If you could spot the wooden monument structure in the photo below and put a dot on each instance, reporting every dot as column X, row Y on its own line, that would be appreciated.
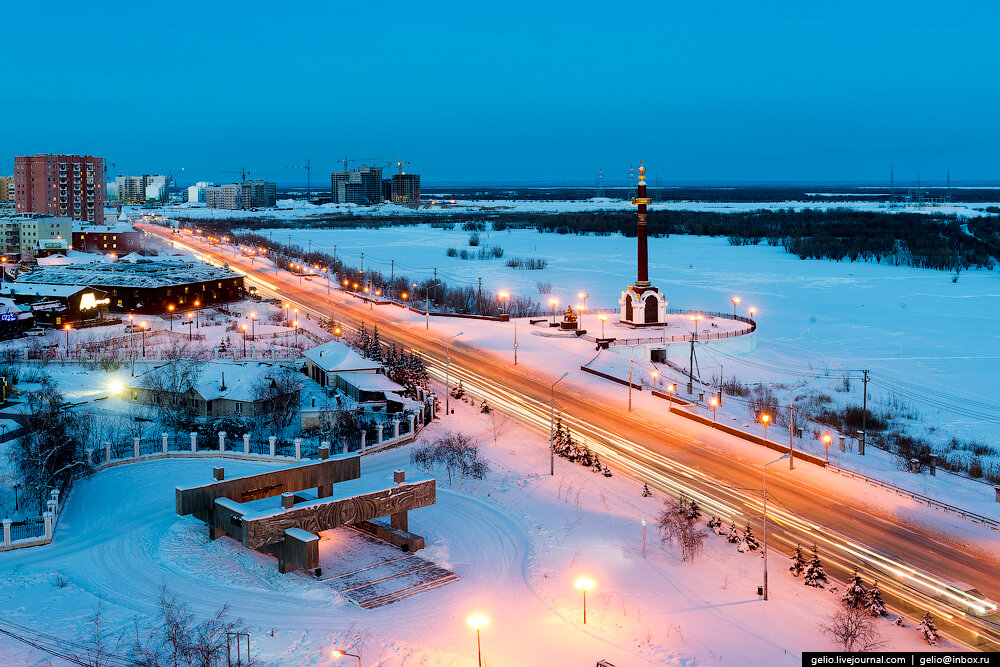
column 281, row 512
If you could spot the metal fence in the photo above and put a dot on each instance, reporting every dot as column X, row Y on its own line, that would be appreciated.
column 27, row 529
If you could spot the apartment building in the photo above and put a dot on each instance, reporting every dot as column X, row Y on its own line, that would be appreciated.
column 60, row 186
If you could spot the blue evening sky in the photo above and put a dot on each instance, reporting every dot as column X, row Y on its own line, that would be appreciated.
column 510, row 92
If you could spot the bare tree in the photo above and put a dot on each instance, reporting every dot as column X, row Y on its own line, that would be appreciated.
column 170, row 389
column 498, row 423
column 99, row 645
column 853, row 629
column 277, row 396
column 678, row 523
column 51, row 451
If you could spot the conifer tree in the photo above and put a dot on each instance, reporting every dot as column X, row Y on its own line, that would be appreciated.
column 855, row 593
column 734, row 536
column 873, row 601
column 928, row 629
column 749, row 540
column 374, row 348
column 798, row 565
column 815, row 575
column 693, row 512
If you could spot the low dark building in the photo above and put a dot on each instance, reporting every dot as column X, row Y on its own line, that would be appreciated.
column 119, row 239
column 144, row 286
column 56, row 305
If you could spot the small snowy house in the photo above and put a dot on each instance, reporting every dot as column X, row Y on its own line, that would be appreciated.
column 326, row 362
column 221, row 388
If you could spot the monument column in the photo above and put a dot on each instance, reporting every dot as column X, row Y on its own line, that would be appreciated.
column 642, row 280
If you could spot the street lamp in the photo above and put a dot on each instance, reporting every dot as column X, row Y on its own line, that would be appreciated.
column 170, row 311
column 190, row 323
column 753, row 311
column 478, row 622
column 287, row 306
column 583, row 295
column 142, row 328
column 447, row 369
column 253, row 326
column 427, row 304
column 715, row 404
column 553, row 302
column 603, row 319
column 585, row 584
column 340, row 653
column 826, row 444
column 552, row 425
column 295, row 325
column 765, row 419
column 503, row 297
column 735, row 301
column 764, row 470
column 131, row 340
column 670, row 392
column 244, row 327
column 67, row 327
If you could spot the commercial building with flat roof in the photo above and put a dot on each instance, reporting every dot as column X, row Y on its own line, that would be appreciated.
column 146, row 286
column 60, row 185
column 136, row 190
column 119, row 239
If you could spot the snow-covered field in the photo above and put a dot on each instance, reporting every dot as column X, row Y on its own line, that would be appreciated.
column 518, row 542
column 289, row 209
column 931, row 344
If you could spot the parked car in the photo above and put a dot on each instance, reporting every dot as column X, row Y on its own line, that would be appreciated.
column 36, row 331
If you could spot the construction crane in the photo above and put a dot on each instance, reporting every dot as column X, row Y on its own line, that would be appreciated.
column 242, row 172
column 363, row 159
column 308, row 167
column 400, row 163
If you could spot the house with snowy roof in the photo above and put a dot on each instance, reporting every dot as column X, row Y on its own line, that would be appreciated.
column 337, row 366
column 221, row 388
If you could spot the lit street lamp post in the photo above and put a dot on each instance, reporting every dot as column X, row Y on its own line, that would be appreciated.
column 552, row 426
column 765, row 420
column 826, row 444
column 735, row 301
column 603, row 319
column 131, row 340
column 585, row 584
column 764, row 469
column 67, row 328
column 340, row 653
column 447, row 370
column 244, row 327
column 553, row 302
column 503, row 297
column 170, row 314
column 478, row 622
column 583, row 295
column 190, row 323
column 142, row 328
column 715, row 404
column 427, row 305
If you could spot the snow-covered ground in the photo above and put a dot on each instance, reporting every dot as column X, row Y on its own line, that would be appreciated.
column 290, row 209
column 931, row 344
column 518, row 541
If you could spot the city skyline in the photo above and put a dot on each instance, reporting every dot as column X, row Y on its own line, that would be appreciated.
column 783, row 93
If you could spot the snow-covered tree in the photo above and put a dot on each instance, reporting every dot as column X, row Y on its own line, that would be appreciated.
column 597, row 463
column 484, row 408
column 747, row 541
column 854, row 592
column 734, row 535
column 815, row 575
column 873, row 601
column 693, row 512
column 374, row 348
column 714, row 524
column 928, row 629
column 586, row 457
column 607, row 471
column 798, row 565
column 458, row 391
column 675, row 524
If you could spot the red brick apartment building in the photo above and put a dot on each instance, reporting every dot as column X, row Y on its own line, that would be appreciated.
column 70, row 186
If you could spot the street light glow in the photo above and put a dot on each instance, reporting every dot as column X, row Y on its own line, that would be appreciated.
column 584, row 583
column 478, row 621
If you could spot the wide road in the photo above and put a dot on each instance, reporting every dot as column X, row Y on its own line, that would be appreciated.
column 913, row 566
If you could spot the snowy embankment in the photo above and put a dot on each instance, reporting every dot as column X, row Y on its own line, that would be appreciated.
column 518, row 542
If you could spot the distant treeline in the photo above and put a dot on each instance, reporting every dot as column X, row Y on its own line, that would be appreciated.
column 944, row 242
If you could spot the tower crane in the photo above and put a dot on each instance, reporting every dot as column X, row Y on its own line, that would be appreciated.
column 400, row 163
column 363, row 159
column 308, row 167
column 243, row 173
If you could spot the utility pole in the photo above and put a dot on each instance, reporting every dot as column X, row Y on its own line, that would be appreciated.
column 362, row 270
column 864, row 415
column 479, row 298
column 435, row 284
column 392, row 276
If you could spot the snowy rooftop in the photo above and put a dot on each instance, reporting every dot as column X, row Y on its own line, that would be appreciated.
column 141, row 273
column 21, row 289
column 373, row 382
column 231, row 380
column 120, row 228
column 334, row 357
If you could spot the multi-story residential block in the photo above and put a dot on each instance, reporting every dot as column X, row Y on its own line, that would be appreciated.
column 137, row 190
column 357, row 186
column 405, row 188
column 259, row 194
column 60, row 185
column 6, row 188
column 229, row 196
column 28, row 233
